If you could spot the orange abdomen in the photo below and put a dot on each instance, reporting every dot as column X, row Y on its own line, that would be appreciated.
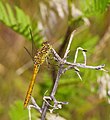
column 31, row 85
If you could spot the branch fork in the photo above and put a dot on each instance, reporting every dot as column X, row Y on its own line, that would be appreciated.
column 62, row 61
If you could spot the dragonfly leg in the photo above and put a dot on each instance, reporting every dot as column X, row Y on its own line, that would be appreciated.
column 50, row 64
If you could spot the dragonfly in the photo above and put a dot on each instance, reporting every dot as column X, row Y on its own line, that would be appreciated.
column 38, row 59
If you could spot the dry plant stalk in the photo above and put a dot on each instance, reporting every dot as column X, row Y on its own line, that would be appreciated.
column 61, row 70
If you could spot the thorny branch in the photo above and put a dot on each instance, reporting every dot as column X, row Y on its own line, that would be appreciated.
column 62, row 61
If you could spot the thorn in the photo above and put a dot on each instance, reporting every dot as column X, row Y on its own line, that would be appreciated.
column 103, row 70
column 76, row 69
column 51, row 110
column 103, row 65
column 79, row 75
column 59, row 106
column 84, row 50
column 45, row 92
column 100, row 67
column 64, row 103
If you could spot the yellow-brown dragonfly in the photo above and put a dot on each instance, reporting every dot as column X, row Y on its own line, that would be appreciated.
column 38, row 59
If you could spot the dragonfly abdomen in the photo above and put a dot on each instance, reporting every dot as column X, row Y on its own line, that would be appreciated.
column 31, row 85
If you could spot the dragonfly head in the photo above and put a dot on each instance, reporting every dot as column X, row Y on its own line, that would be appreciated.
column 45, row 43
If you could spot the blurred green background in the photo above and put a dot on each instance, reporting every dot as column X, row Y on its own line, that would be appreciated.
column 54, row 20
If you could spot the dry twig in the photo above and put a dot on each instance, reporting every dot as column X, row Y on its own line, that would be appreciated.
column 62, row 61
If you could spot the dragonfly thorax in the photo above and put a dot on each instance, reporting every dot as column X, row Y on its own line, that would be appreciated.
column 42, row 53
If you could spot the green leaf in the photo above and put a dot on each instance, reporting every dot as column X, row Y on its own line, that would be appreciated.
column 17, row 112
column 16, row 19
column 91, row 7
column 10, row 14
column 3, row 14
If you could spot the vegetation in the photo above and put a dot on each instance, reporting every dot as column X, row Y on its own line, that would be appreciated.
column 55, row 21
